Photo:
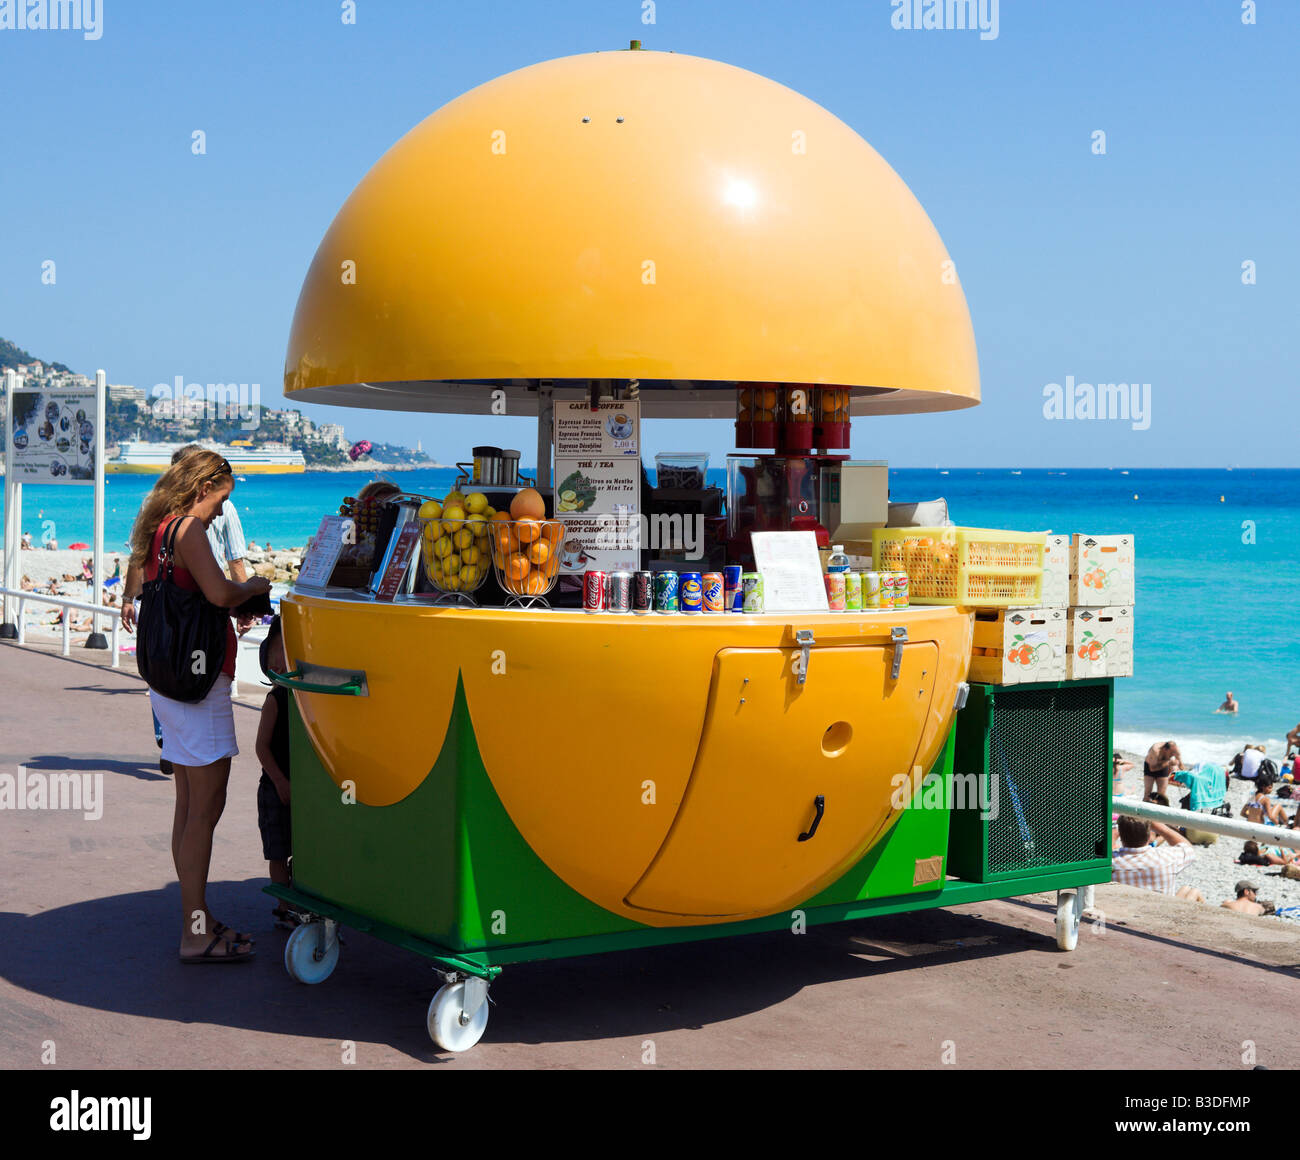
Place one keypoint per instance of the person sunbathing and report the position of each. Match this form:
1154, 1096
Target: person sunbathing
1261, 809
1252, 854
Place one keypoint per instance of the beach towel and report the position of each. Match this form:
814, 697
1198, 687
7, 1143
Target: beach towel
1206, 785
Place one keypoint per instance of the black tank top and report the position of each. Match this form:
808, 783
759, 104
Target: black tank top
280, 736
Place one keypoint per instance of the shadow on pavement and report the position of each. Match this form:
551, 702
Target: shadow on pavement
117, 954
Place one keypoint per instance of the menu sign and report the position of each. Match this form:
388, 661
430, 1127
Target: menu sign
398, 561
53, 436
791, 571
326, 546
598, 484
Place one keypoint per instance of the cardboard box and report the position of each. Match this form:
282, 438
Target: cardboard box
1101, 571
1056, 575
1100, 642
1028, 644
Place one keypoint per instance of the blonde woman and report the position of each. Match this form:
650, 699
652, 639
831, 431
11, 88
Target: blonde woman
198, 739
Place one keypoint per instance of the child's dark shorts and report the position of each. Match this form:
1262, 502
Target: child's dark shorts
273, 821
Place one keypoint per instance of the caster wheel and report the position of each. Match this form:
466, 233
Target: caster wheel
1069, 908
303, 957
450, 1027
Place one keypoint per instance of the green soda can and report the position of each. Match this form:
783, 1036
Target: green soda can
852, 591
751, 585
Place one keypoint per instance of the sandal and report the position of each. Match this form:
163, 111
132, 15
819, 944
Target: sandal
220, 929
229, 955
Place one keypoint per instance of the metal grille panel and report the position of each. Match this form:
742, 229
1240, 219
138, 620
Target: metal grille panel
1049, 756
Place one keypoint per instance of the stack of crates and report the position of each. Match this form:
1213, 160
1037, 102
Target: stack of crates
1082, 627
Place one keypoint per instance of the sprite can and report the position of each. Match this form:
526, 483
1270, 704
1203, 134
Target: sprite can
666, 592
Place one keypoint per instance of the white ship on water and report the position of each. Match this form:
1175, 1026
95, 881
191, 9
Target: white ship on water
136, 456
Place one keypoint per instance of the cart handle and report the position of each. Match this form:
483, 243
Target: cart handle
354, 684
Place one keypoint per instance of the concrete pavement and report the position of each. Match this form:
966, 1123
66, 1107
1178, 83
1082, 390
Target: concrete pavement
89, 921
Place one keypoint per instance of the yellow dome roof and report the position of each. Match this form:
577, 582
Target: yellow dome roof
631, 215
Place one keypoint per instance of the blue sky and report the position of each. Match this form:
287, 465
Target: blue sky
1124, 267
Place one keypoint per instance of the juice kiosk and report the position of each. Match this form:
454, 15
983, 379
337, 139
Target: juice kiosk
487, 784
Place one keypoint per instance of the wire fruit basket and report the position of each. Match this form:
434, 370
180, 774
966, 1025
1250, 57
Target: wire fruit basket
976, 567
456, 555
526, 556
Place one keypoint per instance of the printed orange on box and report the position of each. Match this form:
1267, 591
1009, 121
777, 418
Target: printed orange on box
1101, 570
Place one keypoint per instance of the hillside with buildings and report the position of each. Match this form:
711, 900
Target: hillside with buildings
187, 412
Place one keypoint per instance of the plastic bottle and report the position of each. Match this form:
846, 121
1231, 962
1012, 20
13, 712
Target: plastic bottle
838, 561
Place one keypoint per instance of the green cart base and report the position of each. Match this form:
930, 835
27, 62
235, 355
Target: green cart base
1042, 750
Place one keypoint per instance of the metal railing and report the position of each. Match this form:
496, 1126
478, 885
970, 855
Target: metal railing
23, 597
1211, 823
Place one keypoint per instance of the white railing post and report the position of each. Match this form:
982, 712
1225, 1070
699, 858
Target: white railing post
1211, 823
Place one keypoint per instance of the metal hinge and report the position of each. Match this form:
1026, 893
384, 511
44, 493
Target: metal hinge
899, 636
963, 692
804, 639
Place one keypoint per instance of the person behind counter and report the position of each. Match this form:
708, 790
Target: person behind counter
273, 788
198, 739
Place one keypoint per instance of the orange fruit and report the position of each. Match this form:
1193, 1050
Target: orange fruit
550, 567
553, 532
540, 552
528, 505
517, 568
536, 584
517, 587
528, 531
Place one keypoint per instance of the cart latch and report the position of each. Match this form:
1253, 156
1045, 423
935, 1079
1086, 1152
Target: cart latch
963, 693
899, 636
804, 639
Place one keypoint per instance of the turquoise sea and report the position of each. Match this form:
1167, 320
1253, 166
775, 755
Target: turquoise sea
1218, 590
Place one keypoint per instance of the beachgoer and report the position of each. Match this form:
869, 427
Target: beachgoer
225, 533
27, 584
1137, 863
1253, 854
1251, 756
198, 739
52, 545
1293, 741
1245, 902
273, 818
1228, 706
27, 542
1161, 761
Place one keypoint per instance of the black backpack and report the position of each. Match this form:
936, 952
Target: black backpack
182, 635
1267, 767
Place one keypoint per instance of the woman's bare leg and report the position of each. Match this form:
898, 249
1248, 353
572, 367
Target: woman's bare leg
181, 776
207, 799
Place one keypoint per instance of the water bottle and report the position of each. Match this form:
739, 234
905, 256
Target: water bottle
838, 561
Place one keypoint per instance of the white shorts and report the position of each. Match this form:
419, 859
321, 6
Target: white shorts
197, 734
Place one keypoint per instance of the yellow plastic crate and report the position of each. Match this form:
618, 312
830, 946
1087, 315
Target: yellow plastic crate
978, 567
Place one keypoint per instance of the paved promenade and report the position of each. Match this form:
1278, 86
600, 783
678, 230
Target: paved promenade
89, 920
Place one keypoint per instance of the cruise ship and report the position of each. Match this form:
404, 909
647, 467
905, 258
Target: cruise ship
136, 456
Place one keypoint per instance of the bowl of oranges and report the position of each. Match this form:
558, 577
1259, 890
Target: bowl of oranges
455, 543
526, 548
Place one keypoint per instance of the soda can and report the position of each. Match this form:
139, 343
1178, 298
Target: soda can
734, 596
751, 584
666, 592
620, 592
835, 590
643, 592
691, 592
595, 593
852, 592
901, 590
886, 590
714, 591
870, 590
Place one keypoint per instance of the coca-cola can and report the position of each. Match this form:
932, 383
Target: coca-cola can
620, 592
643, 592
595, 591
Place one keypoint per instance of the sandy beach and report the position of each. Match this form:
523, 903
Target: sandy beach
1215, 871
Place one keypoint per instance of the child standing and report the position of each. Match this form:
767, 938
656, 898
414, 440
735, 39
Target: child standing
273, 788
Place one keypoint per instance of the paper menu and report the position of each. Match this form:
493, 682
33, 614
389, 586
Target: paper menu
318, 565
598, 484
791, 571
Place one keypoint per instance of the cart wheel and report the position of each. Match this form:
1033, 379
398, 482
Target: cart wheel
304, 958
450, 1025
1069, 908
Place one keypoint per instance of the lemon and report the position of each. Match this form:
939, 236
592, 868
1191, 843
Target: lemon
455, 498
489, 512
431, 509
452, 564
442, 547
469, 555
476, 503
568, 495
429, 532
463, 538
468, 574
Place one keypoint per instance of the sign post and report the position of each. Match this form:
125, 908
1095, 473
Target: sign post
13, 514
96, 638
